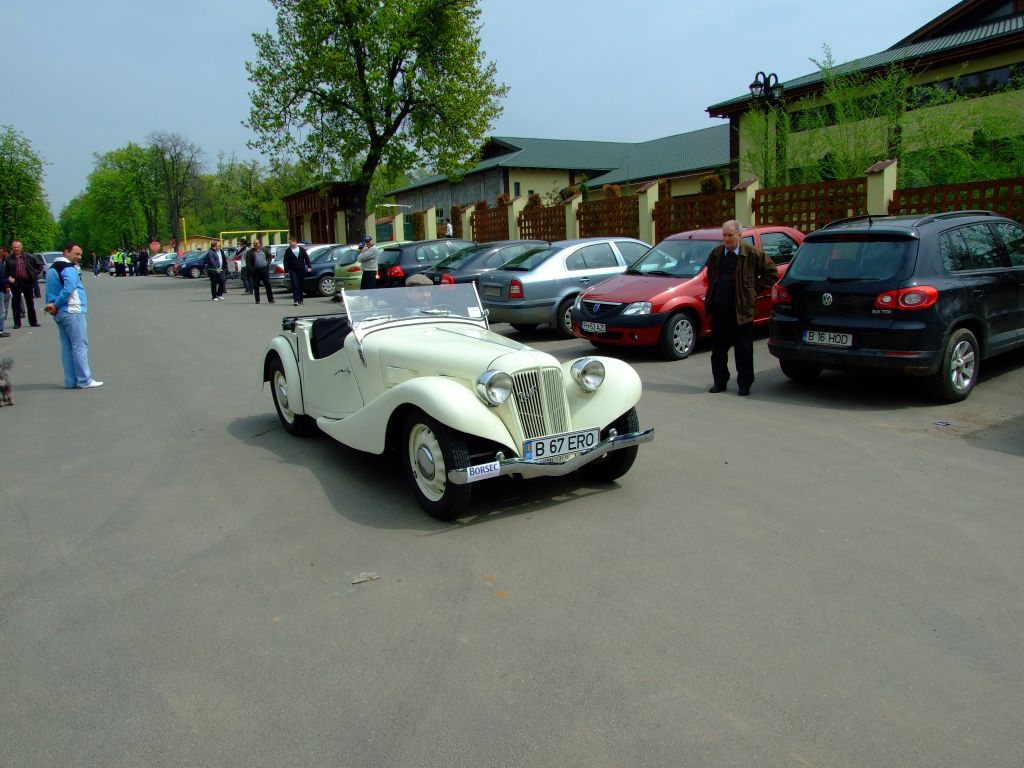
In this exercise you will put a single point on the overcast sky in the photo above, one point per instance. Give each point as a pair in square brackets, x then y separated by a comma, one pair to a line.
[84, 77]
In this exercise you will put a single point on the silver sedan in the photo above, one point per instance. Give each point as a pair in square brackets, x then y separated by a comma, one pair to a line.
[540, 285]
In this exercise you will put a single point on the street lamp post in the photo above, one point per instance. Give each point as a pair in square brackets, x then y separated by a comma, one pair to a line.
[766, 91]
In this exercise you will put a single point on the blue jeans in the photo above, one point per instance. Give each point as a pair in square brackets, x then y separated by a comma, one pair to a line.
[296, 278]
[74, 349]
[5, 300]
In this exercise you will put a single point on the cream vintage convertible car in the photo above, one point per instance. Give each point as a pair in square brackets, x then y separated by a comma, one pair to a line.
[418, 370]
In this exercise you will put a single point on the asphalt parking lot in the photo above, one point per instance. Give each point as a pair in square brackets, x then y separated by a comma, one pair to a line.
[823, 575]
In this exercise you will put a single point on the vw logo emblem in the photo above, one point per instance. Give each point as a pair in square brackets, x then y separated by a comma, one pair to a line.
[826, 299]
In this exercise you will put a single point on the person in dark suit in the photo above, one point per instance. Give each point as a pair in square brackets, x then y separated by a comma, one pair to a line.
[296, 263]
[737, 272]
[257, 260]
[22, 271]
[216, 270]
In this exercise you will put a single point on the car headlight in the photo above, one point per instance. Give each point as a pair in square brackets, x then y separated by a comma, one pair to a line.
[494, 387]
[638, 308]
[579, 302]
[588, 372]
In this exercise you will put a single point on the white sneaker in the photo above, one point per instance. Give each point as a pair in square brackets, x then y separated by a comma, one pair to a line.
[92, 384]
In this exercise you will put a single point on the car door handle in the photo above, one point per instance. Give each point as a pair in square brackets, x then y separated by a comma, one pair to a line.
[342, 370]
[584, 279]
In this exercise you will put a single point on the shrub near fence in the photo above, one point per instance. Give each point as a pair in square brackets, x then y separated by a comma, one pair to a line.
[543, 223]
[490, 224]
[810, 206]
[1004, 196]
[612, 217]
[681, 214]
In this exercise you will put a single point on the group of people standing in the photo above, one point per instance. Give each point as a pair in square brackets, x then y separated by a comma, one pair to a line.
[124, 263]
[254, 272]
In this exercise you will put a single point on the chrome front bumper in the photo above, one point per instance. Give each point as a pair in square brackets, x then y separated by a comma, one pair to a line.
[528, 468]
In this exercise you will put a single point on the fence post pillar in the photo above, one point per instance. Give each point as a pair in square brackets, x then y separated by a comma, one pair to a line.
[514, 209]
[744, 192]
[371, 226]
[572, 224]
[398, 227]
[881, 181]
[648, 194]
[430, 223]
[466, 214]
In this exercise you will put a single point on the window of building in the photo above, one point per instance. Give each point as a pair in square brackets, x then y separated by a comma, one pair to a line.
[515, 189]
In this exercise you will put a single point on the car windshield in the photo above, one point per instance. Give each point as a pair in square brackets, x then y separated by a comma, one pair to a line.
[459, 258]
[531, 259]
[370, 308]
[852, 259]
[674, 258]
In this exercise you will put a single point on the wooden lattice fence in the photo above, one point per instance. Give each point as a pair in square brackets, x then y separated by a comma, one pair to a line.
[680, 214]
[613, 216]
[810, 206]
[490, 224]
[543, 223]
[1004, 196]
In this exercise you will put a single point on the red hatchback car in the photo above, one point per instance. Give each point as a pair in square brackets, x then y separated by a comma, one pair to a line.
[659, 300]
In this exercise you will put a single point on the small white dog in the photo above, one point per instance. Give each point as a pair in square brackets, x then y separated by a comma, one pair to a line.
[6, 385]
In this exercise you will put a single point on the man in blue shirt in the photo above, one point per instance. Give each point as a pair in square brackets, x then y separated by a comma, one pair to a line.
[66, 303]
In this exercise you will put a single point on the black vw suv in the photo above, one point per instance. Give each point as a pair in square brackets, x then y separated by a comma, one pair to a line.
[921, 295]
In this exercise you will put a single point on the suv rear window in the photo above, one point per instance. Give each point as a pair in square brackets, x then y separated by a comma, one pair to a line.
[853, 259]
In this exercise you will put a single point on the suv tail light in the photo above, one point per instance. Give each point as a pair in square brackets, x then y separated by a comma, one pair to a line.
[396, 272]
[447, 279]
[917, 297]
[515, 289]
[780, 294]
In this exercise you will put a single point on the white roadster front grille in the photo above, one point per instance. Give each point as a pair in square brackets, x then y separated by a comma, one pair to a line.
[539, 396]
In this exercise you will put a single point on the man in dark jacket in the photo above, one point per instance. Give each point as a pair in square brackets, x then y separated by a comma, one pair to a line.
[216, 270]
[22, 271]
[737, 273]
[296, 263]
[257, 262]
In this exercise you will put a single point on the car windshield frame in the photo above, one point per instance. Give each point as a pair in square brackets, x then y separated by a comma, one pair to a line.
[378, 308]
[855, 258]
[683, 258]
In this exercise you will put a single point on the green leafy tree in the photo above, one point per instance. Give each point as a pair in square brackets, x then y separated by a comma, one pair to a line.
[358, 87]
[24, 213]
[178, 164]
[139, 168]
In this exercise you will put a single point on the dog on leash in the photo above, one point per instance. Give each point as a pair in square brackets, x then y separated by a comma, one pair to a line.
[6, 385]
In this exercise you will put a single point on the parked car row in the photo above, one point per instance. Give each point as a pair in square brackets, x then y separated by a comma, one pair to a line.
[929, 296]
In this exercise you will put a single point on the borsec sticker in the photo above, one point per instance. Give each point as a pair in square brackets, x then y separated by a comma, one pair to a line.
[482, 471]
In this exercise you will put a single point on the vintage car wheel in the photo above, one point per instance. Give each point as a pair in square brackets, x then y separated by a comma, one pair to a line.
[523, 327]
[617, 463]
[429, 450]
[326, 286]
[194, 272]
[958, 370]
[294, 423]
[563, 316]
[678, 337]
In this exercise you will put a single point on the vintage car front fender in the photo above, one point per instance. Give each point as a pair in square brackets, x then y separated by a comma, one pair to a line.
[443, 399]
[620, 392]
[281, 347]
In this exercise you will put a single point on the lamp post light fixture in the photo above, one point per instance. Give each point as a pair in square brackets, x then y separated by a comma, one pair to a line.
[766, 88]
